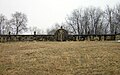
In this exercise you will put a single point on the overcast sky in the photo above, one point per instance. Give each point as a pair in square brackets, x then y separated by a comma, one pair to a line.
[45, 13]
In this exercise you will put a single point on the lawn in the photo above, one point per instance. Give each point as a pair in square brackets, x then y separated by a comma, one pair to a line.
[60, 58]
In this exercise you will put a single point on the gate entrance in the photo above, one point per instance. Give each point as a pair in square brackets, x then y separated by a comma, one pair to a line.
[61, 35]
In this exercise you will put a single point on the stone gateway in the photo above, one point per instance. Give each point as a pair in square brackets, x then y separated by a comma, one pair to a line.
[61, 35]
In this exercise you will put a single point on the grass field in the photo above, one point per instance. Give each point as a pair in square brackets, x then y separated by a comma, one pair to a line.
[60, 58]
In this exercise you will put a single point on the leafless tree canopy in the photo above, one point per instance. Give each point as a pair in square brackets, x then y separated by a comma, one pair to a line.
[90, 20]
[16, 25]
[19, 22]
[93, 20]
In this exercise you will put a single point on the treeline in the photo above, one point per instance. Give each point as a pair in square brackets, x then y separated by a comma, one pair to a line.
[92, 20]
[16, 25]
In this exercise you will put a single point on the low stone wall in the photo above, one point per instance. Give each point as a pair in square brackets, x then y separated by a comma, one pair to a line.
[93, 37]
[9, 38]
[12, 38]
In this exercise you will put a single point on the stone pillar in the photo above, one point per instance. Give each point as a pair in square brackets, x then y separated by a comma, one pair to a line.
[9, 36]
[92, 38]
[2, 39]
[88, 38]
[77, 38]
[34, 35]
[99, 38]
[15, 38]
[102, 38]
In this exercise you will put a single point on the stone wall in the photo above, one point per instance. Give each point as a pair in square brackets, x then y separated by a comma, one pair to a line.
[9, 38]
[12, 38]
[60, 35]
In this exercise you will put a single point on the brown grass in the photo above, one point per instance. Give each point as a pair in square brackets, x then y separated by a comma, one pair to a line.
[60, 58]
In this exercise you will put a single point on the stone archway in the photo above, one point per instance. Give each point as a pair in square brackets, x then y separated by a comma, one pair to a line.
[61, 35]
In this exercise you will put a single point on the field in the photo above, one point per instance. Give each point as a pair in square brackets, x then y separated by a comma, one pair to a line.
[60, 58]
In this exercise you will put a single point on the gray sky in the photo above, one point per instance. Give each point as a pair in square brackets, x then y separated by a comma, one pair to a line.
[45, 13]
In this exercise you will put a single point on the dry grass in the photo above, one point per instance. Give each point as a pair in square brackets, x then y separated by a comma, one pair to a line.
[60, 58]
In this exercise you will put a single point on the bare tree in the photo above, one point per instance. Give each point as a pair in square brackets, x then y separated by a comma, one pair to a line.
[109, 18]
[75, 21]
[19, 22]
[94, 19]
[8, 27]
[117, 19]
[2, 24]
[84, 21]
[70, 24]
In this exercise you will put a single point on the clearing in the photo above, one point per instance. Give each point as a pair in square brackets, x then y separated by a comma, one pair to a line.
[60, 58]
